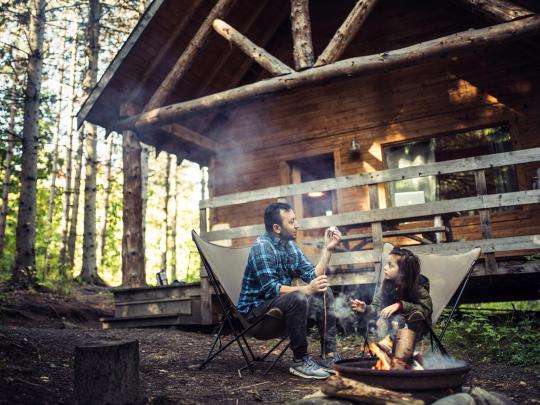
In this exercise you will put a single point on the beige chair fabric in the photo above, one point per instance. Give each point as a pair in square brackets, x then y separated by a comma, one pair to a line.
[445, 273]
[227, 263]
[228, 266]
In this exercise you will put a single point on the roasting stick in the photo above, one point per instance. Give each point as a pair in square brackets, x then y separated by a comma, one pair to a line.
[323, 354]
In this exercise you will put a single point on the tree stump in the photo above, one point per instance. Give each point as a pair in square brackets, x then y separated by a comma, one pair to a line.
[107, 372]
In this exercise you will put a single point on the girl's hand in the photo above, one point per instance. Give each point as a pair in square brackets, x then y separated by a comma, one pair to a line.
[358, 306]
[390, 310]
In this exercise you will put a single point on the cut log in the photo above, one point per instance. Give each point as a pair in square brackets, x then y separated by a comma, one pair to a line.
[356, 391]
[496, 10]
[405, 343]
[107, 373]
[258, 54]
[387, 344]
[385, 360]
[445, 46]
[301, 33]
[346, 33]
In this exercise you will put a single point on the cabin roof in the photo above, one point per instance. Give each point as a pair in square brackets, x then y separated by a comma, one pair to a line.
[167, 27]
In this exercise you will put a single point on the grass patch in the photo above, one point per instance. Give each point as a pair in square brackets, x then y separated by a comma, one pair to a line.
[499, 333]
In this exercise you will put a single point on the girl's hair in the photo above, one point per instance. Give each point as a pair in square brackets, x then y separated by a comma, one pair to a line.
[409, 272]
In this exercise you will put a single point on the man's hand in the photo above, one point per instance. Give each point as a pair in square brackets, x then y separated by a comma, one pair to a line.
[358, 305]
[390, 309]
[317, 285]
[332, 237]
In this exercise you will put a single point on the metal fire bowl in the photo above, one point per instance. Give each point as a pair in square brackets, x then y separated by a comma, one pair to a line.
[434, 382]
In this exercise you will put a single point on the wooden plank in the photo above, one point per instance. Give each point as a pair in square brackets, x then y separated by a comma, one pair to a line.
[531, 242]
[346, 32]
[364, 179]
[393, 213]
[409, 56]
[256, 53]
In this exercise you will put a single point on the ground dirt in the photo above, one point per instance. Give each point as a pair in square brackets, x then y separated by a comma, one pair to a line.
[39, 332]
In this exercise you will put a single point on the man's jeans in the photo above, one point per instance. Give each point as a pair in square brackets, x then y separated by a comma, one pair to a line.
[296, 307]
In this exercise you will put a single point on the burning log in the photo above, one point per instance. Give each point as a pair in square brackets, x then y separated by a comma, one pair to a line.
[395, 355]
[337, 386]
[384, 361]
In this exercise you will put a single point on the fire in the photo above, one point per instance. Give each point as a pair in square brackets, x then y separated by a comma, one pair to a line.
[396, 354]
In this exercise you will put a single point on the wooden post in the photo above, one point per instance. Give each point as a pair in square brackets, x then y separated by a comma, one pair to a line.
[346, 33]
[301, 33]
[298, 205]
[399, 58]
[438, 221]
[107, 373]
[256, 53]
[133, 258]
[485, 220]
[376, 227]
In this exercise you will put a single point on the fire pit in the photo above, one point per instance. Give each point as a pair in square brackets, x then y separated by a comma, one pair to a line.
[428, 384]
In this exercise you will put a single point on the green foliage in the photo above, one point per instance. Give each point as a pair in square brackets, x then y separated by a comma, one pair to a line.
[489, 333]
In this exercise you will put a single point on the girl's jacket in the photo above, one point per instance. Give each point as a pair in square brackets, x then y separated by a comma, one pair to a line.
[387, 295]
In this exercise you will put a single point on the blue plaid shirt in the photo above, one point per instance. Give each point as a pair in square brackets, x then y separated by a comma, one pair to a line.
[271, 264]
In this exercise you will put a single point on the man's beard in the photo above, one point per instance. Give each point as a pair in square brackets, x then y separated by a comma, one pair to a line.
[286, 235]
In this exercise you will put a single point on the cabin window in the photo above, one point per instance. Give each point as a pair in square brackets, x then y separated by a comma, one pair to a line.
[448, 147]
[317, 203]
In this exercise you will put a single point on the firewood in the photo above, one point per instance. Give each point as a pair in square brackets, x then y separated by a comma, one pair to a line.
[381, 355]
[337, 386]
[387, 344]
[405, 342]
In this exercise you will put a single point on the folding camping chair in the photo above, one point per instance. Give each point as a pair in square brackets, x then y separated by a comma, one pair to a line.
[446, 273]
[225, 268]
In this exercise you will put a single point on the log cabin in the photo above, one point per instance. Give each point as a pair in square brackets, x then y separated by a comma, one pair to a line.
[410, 122]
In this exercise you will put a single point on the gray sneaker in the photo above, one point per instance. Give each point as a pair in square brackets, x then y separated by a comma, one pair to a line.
[307, 368]
[327, 363]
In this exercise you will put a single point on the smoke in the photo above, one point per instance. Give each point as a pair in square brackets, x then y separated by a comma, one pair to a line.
[438, 361]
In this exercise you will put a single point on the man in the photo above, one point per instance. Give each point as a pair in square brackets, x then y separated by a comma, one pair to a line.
[274, 260]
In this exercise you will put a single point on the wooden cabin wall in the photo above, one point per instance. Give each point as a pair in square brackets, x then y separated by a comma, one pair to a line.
[481, 89]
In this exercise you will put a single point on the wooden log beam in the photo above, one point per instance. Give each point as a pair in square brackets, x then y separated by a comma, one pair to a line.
[191, 136]
[301, 33]
[345, 34]
[384, 62]
[496, 10]
[258, 54]
[184, 62]
[158, 59]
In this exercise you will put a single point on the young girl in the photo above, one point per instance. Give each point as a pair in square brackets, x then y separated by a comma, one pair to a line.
[403, 299]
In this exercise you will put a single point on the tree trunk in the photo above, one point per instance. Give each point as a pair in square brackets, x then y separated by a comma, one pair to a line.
[67, 206]
[54, 169]
[145, 157]
[107, 373]
[6, 183]
[164, 226]
[133, 273]
[24, 271]
[107, 191]
[72, 238]
[89, 265]
[171, 244]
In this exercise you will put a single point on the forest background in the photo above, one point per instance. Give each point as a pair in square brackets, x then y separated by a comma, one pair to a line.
[75, 37]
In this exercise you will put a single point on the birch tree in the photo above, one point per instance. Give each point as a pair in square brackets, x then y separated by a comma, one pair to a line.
[24, 270]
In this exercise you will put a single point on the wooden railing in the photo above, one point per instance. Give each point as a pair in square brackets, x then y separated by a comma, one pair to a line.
[376, 216]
